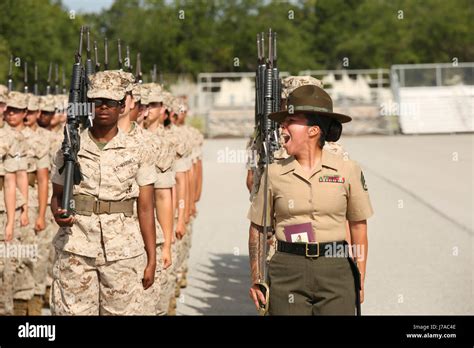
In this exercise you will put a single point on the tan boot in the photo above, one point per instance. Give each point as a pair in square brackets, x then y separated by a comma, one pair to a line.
[177, 290]
[172, 307]
[47, 297]
[184, 282]
[35, 305]
[20, 307]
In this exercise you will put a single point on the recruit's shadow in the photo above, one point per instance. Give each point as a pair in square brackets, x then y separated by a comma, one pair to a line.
[221, 288]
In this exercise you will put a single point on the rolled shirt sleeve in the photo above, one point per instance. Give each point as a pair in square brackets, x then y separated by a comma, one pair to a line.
[359, 206]
[165, 180]
[146, 174]
[43, 162]
[58, 160]
[182, 164]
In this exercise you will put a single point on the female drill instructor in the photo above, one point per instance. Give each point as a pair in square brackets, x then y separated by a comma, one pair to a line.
[310, 195]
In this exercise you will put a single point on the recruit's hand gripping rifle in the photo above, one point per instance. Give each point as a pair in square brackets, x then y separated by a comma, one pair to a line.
[267, 100]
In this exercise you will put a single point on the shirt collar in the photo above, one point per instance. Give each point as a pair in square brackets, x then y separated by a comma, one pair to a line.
[117, 142]
[328, 160]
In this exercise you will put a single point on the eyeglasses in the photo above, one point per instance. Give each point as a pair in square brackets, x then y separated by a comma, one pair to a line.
[13, 110]
[107, 102]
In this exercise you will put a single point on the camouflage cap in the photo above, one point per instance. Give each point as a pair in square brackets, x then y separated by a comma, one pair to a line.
[17, 100]
[107, 84]
[144, 91]
[33, 102]
[178, 106]
[155, 93]
[168, 100]
[48, 103]
[136, 92]
[3, 93]
[128, 80]
[61, 102]
[290, 83]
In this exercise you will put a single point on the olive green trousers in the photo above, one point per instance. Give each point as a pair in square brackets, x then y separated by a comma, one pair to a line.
[310, 286]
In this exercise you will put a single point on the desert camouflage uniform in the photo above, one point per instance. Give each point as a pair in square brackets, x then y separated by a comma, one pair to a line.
[196, 140]
[183, 163]
[24, 281]
[38, 157]
[11, 161]
[100, 260]
[49, 103]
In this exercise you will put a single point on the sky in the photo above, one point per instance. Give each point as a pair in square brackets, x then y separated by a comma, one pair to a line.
[87, 5]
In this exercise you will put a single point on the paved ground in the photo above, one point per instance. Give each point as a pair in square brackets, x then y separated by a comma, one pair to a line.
[420, 238]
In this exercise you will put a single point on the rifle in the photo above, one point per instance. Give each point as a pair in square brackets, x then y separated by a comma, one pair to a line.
[63, 82]
[119, 54]
[56, 79]
[10, 75]
[267, 100]
[89, 62]
[153, 74]
[96, 56]
[71, 143]
[25, 77]
[48, 81]
[35, 86]
[128, 62]
[106, 54]
[138, 74]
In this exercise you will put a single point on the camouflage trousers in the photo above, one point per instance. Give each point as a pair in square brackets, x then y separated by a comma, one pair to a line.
[168, 282]
[94, 286]
[43, 240]
[52, 253]
[184, 247]
[8, 265]
[16, 264]
[24, 285]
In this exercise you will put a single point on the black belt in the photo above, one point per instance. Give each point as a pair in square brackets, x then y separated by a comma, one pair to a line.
[308, 249]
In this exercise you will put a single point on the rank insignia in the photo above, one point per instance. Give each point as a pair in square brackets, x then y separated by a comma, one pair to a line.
[362, 180]
[332, 178]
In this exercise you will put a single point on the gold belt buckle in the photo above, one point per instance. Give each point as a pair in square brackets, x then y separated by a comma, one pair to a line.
[307, 250]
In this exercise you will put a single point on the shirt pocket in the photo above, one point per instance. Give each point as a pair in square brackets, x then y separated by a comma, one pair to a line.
[89, 165]
[127, 169]
[330, 198]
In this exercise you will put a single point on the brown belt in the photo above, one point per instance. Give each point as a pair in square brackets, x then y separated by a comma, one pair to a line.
[2, 182]
[88, 205]
[32, 179]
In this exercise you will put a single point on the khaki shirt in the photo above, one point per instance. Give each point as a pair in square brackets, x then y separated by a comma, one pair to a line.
[112, 174]
[336, 191]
